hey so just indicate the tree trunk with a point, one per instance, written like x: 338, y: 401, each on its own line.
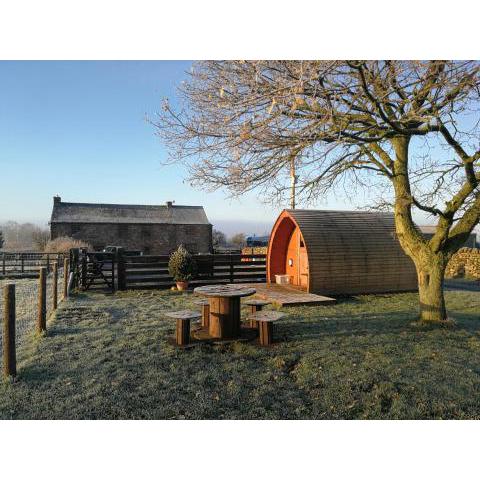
x: 430, y: 290
x: 430, y: 264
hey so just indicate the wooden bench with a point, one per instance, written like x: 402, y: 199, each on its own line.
x: 205, y: 304
x: 183, y: 318
x: 265, y: 324
x: 256, y: 305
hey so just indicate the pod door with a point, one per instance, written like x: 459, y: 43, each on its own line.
x: 303, y: 264
x: 297, y: 260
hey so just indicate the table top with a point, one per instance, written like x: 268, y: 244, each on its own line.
x: 224, y: 291
x: 257, y: 301
x: 266, y: 316
x: 184, y: 314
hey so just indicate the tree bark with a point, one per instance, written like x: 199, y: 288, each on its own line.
x: 430, y: 290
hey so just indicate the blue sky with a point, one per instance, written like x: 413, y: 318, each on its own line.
x: 78, y: 129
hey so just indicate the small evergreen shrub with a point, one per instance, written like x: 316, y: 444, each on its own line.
x: 182, y: 266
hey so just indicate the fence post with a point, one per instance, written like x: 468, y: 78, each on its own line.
x: 66, y: 265
x: 231, y: 269
x: 113, y: 272
x: 74, y: 265
x: 3, y: 264
x: 42, y: 300
x: 121, y: 274
x: 55, y: 285
x: 23, y: 262
x: 83, y: 279
x: 9, y: 352
x: 48, y: 263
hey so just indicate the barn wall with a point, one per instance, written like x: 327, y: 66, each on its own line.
x: 150, y: 238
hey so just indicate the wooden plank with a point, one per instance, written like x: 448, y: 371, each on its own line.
x: 145, y: 271
x: 286, y: 296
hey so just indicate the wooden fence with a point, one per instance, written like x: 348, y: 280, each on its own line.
x: 22, y: 313
x: 149, y: 271
x: 94, y: 270
x: 25, y: 263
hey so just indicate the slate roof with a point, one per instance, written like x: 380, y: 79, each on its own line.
x: 64, y: 212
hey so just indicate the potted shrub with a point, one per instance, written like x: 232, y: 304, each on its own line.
x: 182, y: 267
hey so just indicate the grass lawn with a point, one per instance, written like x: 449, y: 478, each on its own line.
x: 107, y: 356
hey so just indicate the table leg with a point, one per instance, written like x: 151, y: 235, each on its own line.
x: 265, y: 330
x: 205, y: 315
x: 224, y: 317
x: 255, y: 309
x: 183, y: 331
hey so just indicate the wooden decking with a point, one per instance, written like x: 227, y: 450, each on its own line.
x: 287, y: 296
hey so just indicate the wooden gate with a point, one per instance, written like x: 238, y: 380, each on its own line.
x: 93, y: 270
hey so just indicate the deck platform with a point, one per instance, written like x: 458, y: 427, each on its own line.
x: 287, y: 296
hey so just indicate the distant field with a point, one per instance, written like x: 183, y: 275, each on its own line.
x: 107, y: 356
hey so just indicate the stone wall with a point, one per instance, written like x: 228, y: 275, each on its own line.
x: 464, y: 263
x: 154, y: 239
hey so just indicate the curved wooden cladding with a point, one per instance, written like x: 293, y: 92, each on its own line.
x: 347, y: 252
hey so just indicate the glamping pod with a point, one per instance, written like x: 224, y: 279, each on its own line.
x: 338, y: 252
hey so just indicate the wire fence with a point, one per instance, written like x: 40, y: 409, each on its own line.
x: 27, y: 306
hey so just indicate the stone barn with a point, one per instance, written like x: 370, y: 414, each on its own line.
x: 153, y: 229
x: 339, y: 252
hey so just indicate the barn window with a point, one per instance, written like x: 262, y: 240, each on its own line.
x: 75, y: 228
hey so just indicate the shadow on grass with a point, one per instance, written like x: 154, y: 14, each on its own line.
x: 35, y: 375
x: 465, y: 285
x: 59, y: 331
x: 365, y: 324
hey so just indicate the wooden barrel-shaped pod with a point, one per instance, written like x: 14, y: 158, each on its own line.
x: 339, y: 252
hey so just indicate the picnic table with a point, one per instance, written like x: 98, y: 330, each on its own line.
x: 224, y: 308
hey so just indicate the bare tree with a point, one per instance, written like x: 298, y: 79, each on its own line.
x: 19, y: 236
x: 40, y: 238
x: 407, y: 130
x: 238, y: 240
x: 1, y: 239
x: 219, y: 239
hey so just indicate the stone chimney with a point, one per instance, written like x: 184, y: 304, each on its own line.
x: 57, y: 199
